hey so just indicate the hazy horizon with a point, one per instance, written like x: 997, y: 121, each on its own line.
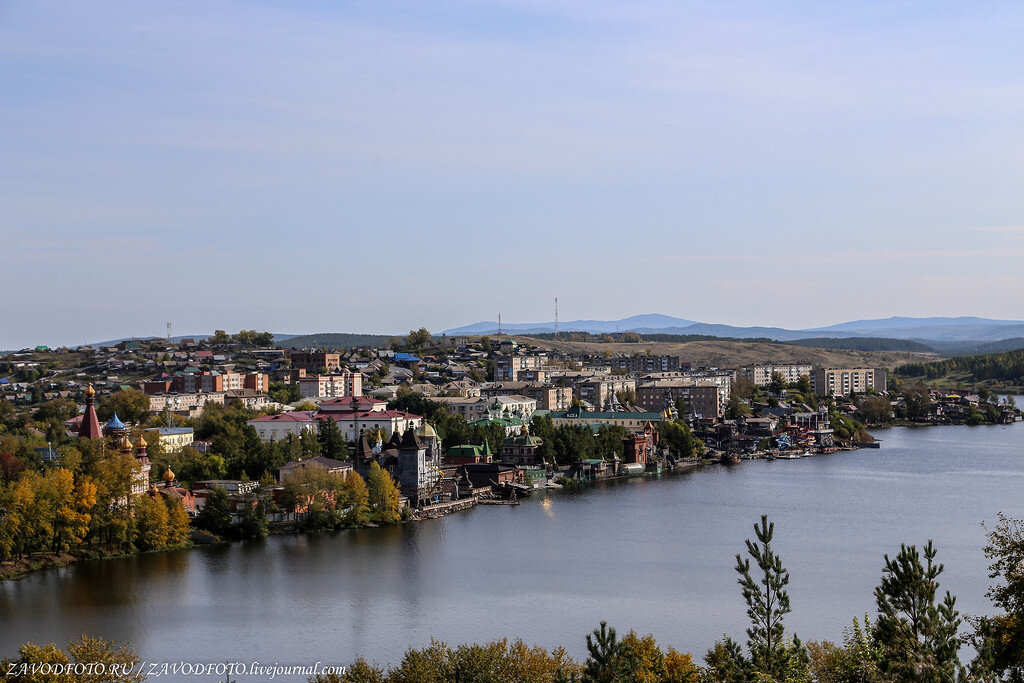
x: 391, y: 165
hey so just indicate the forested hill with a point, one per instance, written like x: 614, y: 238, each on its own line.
x: 1005, y: 367
x: 862, y: 344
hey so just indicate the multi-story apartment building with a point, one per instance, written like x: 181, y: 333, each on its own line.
x: 213, y: 380
x: 184, y: 402
x: 547, y: 396
x: 331, y: 386
x: 600, y: 390
x: 643, y: 364
x: 846, y: 381
x: 508, y: 366
x: 761, y: 375
x: 703, y: 397
x: 315, y: 361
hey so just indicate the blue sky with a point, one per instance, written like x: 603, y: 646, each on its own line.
x: 377, y: 166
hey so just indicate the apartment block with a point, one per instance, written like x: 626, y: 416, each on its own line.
x: 761, y: 375
x: 704, y: 398
x: 846, y: 381
x: 331, y: 386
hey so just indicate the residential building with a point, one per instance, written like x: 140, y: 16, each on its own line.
x: 212, y: 381
x: 478, y: 407
x: 704, y: 398
x: 330, y: 386
x: 320, y: 463
x: 633, y: 421
x: 846, y: 381
x: 353, y: 415
x: 599, y: 391
x: 508, y: 367
x: 521, y: 449
x: 761, y: 375
x: 547, y: 396
x: 643, y: 363
x: 171, y: 439
x: 315, y: 361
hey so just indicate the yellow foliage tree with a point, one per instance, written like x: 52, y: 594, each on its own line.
x: 151, y: 520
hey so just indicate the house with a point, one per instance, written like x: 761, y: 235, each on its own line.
x: 326, y: 465
x: 521, y: 449
x: 171, y: 439
x: 468, y: 454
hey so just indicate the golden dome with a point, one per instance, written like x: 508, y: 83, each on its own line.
x: 126, y: 443
x: 426, y: 431
x: 168, y: 475
x: 89, y: 391
x: 141, y: 442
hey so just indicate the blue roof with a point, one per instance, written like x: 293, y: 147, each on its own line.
x: 115, y: 423
x: 407, y: 356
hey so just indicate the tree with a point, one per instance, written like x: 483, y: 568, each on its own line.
x: 417, y: 339
x: 777, y: 383
x: 1000, y: 639
x: 917, y: 637
x: 151, y: 519
x: 383, y: 496
x: 219, y: 338
x: 356, y: 499
x: 767, y: 601
x: 803, y: 385
x: 604, y: 664
x: 131, y: 405
x: 332, y: 443
x: 215, y: 516
x: 178, y: 526
x: 736, y: 407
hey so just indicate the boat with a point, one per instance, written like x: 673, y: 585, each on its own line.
x: 788, y: 456
x: 730, y: 459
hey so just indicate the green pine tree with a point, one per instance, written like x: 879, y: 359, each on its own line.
x: 917, y: 637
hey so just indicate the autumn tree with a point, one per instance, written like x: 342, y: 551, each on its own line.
x: 382, y: 495
x: 999, y: 639
x: 152, y: 521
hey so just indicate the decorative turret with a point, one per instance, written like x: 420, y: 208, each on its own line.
x: 168, y: 476
x: 90, y: 427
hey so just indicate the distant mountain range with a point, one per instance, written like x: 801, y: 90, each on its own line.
x: 963, y: 329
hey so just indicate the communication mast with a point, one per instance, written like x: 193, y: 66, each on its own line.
x: 556, y: 317
x: 499, y: 323
x: 168, y: 332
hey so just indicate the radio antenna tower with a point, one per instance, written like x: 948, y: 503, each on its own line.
x: 168, y: 332
x: 556, y: 317
x: 499, y: 323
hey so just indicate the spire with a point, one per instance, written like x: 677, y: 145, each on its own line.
x: 90, y: 427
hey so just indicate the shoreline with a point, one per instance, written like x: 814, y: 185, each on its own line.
x: 20, y: 569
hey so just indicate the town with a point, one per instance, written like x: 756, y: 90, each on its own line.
x: 149, y: 444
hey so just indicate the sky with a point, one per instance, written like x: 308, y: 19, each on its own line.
x: 378, y: 166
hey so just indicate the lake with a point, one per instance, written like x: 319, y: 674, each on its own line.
x: 656, y: 555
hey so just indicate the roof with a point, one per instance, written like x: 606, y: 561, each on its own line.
x: 115, y: 423
x: 171, y: 431
x: 326, y: 463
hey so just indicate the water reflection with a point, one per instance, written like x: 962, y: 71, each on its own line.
x: 655, y: 555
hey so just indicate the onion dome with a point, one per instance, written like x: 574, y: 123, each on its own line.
x: 425, y: 431
x: 141, y: 443
x: 168, y: 475
x: 115, y: 423
x: 89, y: 391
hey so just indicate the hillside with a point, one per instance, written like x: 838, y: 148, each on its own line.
x: 739, y: 353
x: 335, y: 340
x: 998, y: 371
